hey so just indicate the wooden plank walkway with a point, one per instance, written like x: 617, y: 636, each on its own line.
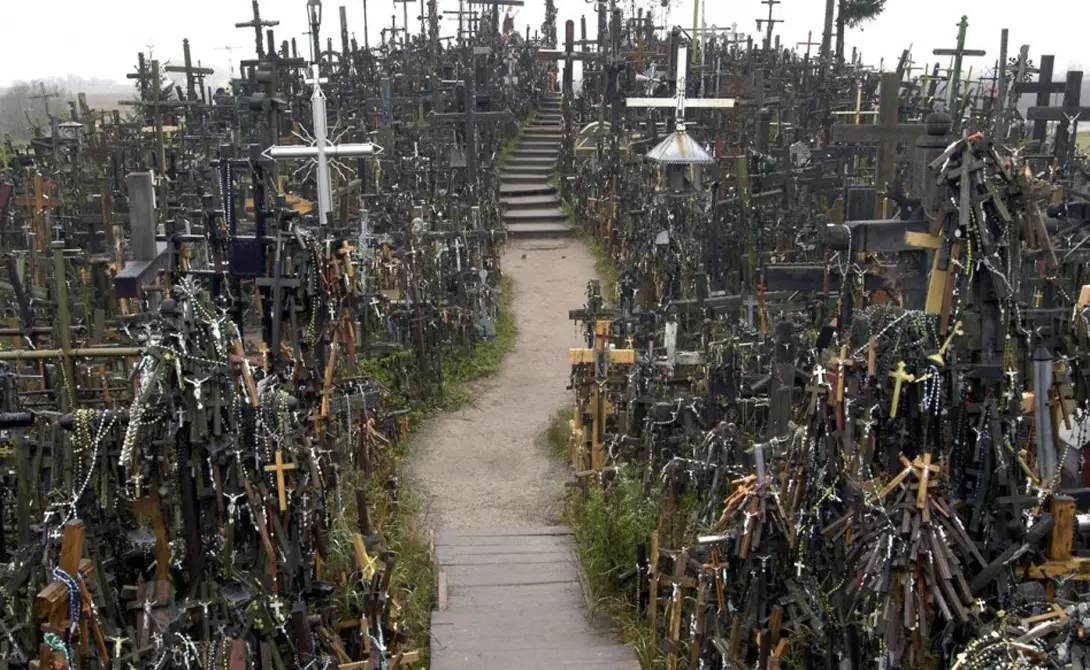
x: 511, y: 599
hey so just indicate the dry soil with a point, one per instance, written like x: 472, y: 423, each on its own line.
x: 489, y: 464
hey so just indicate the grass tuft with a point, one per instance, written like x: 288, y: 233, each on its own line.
x: 512, y: 144
x: 559, y: 431
x: 608, y: 522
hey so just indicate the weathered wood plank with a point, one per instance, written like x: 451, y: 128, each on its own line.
x: 441, y: 535
x: 503, y: 541
x: 459, y: 576
x: 619, y: 658
x: 540, y: 545
x: 514, y: 598
x: 496, y: 558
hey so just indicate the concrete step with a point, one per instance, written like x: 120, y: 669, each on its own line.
x: 551, y: 151
x: 520, y: 188
x: 525, y: 158
x: 529, y: 201
x: 523, y: 178
x: 536, y: 131
x: 541, y: 143
x: 518, y: 167
x: 538, y: 230
x: 539, y: 214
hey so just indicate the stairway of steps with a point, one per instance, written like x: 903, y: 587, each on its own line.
x: 531, y: 206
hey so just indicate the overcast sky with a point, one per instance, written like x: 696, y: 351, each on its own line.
x: 100, y: 38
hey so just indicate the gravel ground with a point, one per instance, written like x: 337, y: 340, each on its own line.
x: 489, y: 465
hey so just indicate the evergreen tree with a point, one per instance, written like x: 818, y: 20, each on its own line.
x: 852, y: 14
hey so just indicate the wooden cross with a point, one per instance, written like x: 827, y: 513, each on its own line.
x: 770, y: 21
x: 959, y: 52
x: 1044, y: 87
x: 1061, y: 561
x: 279, y: 469
x: 192, y: 74
x: 886, y: 131
x: 808, y: 43
x: 598, y: 408
x: 1067, y: 116
x: 52, y: 603
x: 258, y: 24
x: 44, y: 96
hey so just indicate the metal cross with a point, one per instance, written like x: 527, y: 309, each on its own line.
x: 680, y: 102
x: 321, y: 150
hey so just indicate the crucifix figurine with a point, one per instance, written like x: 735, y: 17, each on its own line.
x: 899, y: 377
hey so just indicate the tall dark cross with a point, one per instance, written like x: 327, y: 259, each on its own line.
x: 827, y: 32
x: 192, y: 74
x: 886, y: 131
x: 142, y: 76
x: 404, y: 17
x: 314, y: 20
x: 258, y: 24
x: 999, y: 107
x: 770, y: 21
x: 954, y: 82
x: 44, y: 96
x: 1044, y: 87
x: 1067, y: 116
x: 904, y: 65
x: 470, y: 118
x: 808, y: 43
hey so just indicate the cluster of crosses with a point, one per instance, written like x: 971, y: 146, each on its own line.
x: 839, y: 389
x: 222, y: 301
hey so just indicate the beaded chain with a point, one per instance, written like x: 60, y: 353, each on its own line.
x: 75, y: 601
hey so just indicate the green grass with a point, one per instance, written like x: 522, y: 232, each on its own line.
x: 510, y: 145
x: 607, y: 523
x: 485, y: 361
x: 398, y: 521
x: 398, y: 518
x: 558, y: 432
x: 1082, y: 140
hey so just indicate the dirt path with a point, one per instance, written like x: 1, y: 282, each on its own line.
x: 488, y: 465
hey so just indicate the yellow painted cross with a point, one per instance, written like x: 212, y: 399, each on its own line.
x: 279, y: 469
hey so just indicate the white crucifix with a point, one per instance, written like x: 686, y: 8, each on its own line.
x: 321, y: 149
x: 680, y: 102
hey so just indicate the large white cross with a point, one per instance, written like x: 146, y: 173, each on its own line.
x: 680, y: 102
x: 321, y: 150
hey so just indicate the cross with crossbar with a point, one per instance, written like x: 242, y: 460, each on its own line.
x: 680, y: 101
x: 321, y: 150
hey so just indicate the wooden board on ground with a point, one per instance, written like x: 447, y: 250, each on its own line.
x: 513, y: 600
